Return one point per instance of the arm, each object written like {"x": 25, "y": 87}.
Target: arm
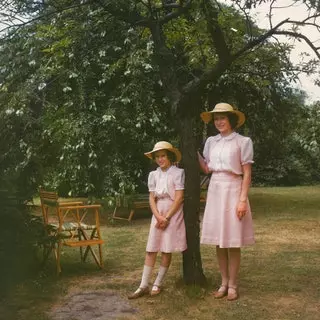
{"x": 203, "y": 161}
{"x": 243, "y": 200}
{"x": 153, "y": 205}
{"x": 178, "y": 200}
{"x": 203, "y": 164}
{"x": 164, "y": 221}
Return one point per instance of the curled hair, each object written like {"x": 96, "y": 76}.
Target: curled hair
{"x": 233, "y": 119}
{"x": 171, "y": 156}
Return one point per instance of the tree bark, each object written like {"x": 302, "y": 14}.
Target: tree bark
{"x": 192, "y": 264}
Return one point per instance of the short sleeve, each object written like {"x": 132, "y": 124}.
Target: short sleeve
{"x": 152, "y": 181}
{"x": 206, "y": 150}
{"x": 246, "y": 151}
{"x": 179, "y": 180}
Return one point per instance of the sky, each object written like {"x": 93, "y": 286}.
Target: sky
{"x": 296, "y": 12}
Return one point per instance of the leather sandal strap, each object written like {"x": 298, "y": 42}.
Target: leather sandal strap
{"x": 223, "y": 287}
{"x": 234, "y": 288}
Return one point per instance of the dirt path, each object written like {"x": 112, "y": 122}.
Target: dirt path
{"x": 85, "y": 303}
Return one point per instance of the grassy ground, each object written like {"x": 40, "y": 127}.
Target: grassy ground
{"x": 279, "y": 275}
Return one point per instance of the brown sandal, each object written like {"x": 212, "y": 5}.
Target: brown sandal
{"x": 139, "y": 293}
{"x": 232, "y": 293}
{"x": 221, "y": 292}
{"x": 155, "y": 291}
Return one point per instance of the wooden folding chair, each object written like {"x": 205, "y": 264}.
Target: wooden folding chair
{"x": 71, "y": 224}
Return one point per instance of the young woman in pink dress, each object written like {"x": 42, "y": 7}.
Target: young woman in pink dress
{"x": 227, "y": 221}
{"x": 167, "y": 230}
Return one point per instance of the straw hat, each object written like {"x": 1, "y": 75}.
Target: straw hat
{"x": 164, "y": 145}
{"x": 223, "y": 107}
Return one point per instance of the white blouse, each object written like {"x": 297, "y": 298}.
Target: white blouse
{"x": 165, "y": 183}
{"x": 228, "y": 153}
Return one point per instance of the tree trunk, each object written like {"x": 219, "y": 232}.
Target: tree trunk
{"x": 185, "y": 106}
{"x": 192, "y": 264}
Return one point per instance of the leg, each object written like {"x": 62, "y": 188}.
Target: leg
{"x": 165, "y": 263}
{"x": 234, "y": 266}
{"x": 149, "y": 262}
{"x": 143, "y": 289}
{"x": 222, "y": 256}
{"x": 150, "y": 259}
{"x": 166, "y": 259}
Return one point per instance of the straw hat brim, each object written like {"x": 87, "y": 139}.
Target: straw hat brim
{"x": 174, "y": 150}
{"x": 207, "y": 116}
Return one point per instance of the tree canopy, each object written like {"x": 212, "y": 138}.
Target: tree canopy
{"x": 71, "y": 85}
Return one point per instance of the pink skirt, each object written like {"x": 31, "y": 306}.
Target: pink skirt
{"x": 173, "y": 238}
{"x": 221, "y": 225}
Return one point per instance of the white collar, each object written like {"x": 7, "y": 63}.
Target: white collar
{"x": 161, "y": 171}
{"x": 228, "y": 137}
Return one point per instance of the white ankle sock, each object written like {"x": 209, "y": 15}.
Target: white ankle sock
{"x": 161, "y": 274}
{"x": 147, "y": 270}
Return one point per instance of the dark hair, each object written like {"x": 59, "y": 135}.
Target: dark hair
{"x": 171, "y": 155}
{"x": 233, "y": 118}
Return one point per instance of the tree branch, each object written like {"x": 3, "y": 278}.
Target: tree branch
{"x": 173, "y": 15}
{"x": 304, "y": 23}
{"x": 48, "y": 14}
{"x": 215, "y": 31}
{"x": 172, "y": 6}
{"x": 244, "y": 10}
{"x": 300, "y": 36}
{"x": 258, "y": 40}
{"x": 133, "y": 18}
{"x": 208, "y": 76}
{"x": 223, "y": 65}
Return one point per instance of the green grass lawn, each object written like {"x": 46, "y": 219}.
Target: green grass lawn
{"x": 279, "y": 277}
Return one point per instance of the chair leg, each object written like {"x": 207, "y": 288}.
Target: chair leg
{"x": 100, "y": 256}
{"x": 114, "y": 212}
{"x": 87, "y": 248}
{"x": 58, "y": 255}
{"x": 81, "y": 250}
{"x": 131, "y": 214}
{"x": 99, "y": 261}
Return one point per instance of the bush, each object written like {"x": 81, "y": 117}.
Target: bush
{"x": 19, "y": 238}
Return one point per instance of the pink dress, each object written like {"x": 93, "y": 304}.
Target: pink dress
{"x": 173, "y": 238}
{"x": 221, "y": 226}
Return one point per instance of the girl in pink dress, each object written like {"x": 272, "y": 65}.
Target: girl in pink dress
{"x": 227, "y": 221}
{"x": 167, "y": 230}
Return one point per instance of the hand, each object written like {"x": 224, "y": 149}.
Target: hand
{"x": 162, "y": 223}
{"x": 242, "y": 209}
